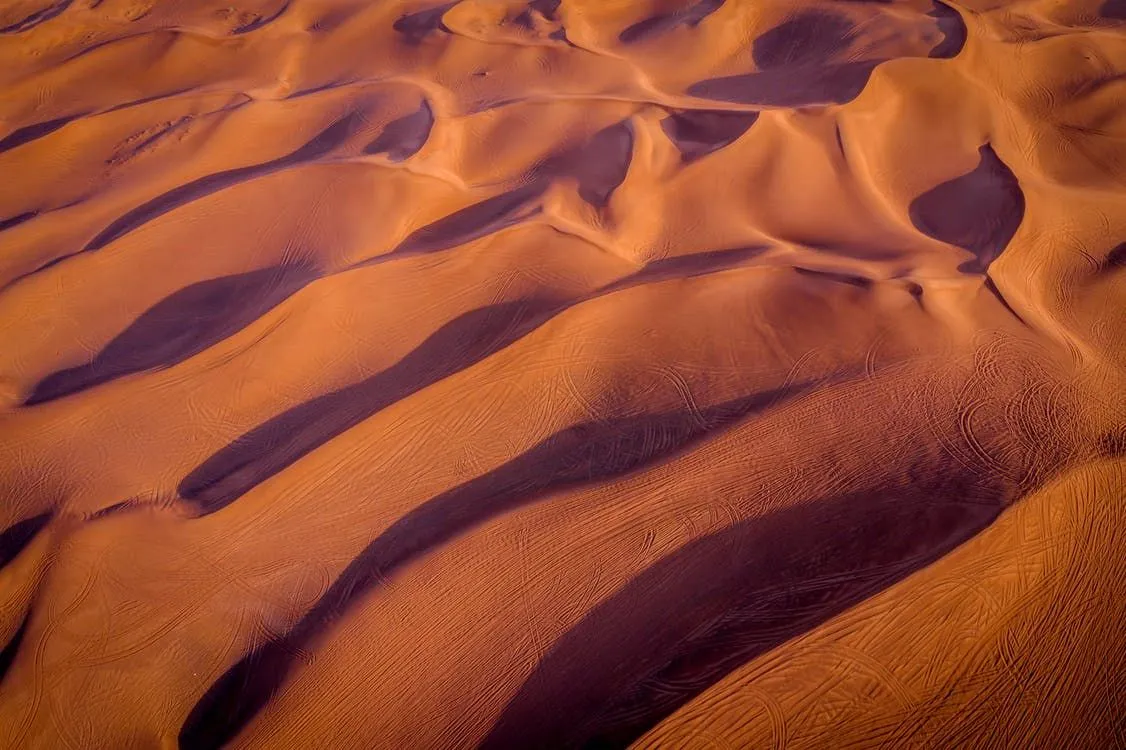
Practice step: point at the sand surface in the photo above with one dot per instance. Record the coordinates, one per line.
(564, 373)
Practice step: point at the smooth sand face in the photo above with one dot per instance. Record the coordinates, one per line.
(693, 373)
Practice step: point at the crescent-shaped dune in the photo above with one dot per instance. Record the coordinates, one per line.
(562, 373)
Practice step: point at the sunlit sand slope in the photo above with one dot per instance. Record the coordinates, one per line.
(506, 374)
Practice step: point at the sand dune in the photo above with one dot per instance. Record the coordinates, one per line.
(559, 373)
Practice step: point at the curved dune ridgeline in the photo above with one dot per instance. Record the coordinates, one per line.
(562, 373)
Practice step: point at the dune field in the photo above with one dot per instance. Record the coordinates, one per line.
(563, 373)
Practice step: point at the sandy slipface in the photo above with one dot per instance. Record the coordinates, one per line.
(687, 373)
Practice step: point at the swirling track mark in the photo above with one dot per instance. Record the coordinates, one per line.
(723, 599)
(591, 451)
(180, 326)
(402, 138)
(979, 211)
(665, 22)
(16, 537)
(38, 17)
(697, 133)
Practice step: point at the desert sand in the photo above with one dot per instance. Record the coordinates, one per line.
(564, 373)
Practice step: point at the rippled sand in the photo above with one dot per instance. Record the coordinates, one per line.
(688, 373)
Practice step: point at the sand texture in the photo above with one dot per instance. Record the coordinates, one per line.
(562, 373)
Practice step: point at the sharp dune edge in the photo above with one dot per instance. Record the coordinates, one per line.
(491, 373)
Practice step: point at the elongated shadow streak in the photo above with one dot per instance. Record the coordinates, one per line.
(979, 211)
(260, 22)
(180, 326)
(16, 537)
(320, 145)
(665, 22)
(689, 620)
(30, 133)
(38, 17)
(12, 647)
(15, 221)
(279, 442)
(580, 454)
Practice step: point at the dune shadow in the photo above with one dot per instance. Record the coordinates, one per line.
(467, 339)
(1116, 258)
(29, 133)
(800, 62)
(402, 138)
(584, 453)
(320, 145)
(414, 27)
(720, 601)
(472, 222)
(697, 133)
(282, 440)
(546, 8)
(262, 21)
(860, 282)
(180, 326)
(38, 17)
(1114, 10)
(687, 266)
(599, 165)
(979, 211)
(665, 22)
(16, 537)
(12, 647)
(16, 220)
(953, 28)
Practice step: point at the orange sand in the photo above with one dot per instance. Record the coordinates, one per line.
(508, 374)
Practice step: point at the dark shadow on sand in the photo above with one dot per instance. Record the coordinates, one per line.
(692, 618)
(16, 537)
(279, 442)
(665, 22)
(979, 211)
(697, 133)
(180, 326)
(802, 62)
(584, 453)
(320, 145)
